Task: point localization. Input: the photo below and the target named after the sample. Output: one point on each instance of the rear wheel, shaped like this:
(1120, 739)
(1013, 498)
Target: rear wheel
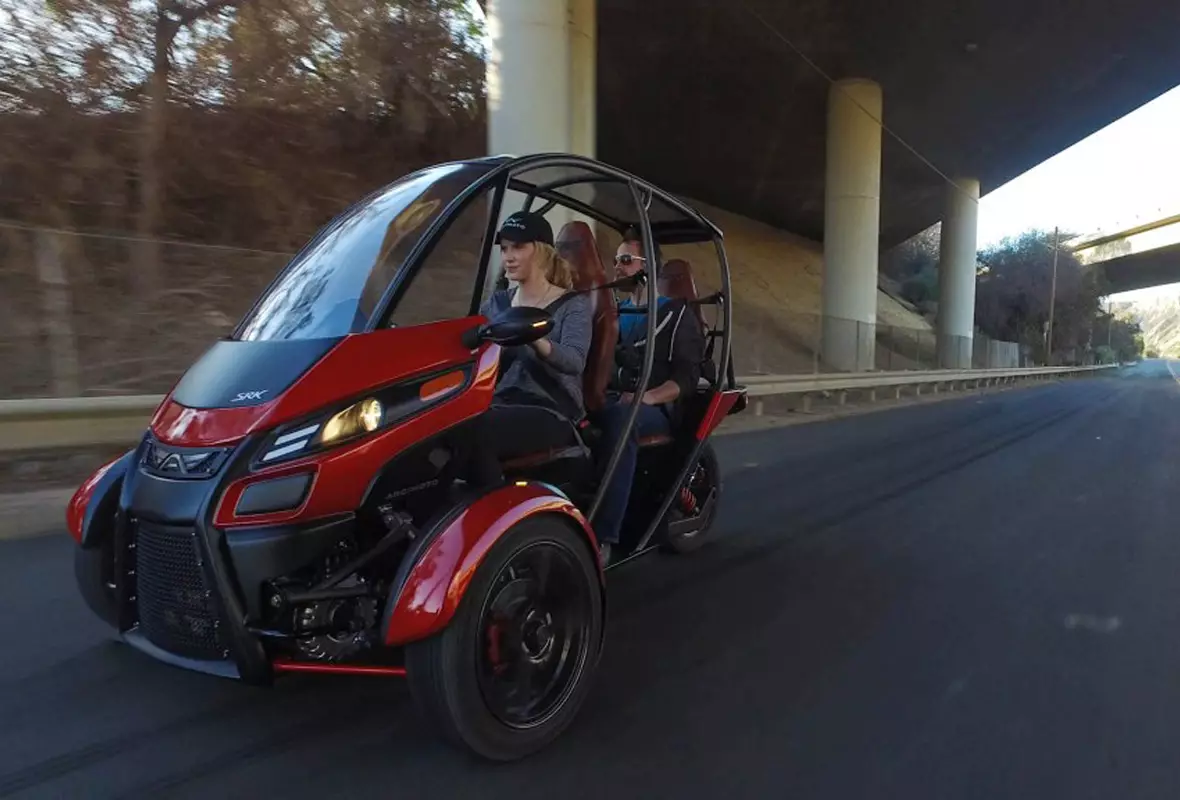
(510, 672)
(691, 515)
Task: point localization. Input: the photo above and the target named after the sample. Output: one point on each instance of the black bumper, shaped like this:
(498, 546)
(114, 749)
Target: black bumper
(189, 593)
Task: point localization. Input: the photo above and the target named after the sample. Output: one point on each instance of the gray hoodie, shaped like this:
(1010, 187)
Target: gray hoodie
(570, 337)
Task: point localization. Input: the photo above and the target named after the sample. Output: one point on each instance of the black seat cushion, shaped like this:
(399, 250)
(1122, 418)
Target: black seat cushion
(518, 430)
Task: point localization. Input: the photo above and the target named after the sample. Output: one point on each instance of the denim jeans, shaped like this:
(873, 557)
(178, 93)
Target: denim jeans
(650, 421)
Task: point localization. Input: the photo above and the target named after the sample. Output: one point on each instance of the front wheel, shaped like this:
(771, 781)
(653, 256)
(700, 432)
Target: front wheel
(693, 512)
(510, 672)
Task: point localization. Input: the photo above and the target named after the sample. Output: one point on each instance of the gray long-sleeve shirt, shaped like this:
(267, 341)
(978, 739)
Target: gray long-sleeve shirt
(570, 339)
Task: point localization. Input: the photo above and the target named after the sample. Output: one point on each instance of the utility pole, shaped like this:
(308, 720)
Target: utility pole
(1052, 302)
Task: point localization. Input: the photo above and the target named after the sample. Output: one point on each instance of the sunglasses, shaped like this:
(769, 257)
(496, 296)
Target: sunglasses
(627, 258)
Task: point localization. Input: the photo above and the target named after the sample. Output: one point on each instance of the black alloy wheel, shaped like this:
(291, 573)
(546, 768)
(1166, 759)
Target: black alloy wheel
(534, 631)
(510, 672)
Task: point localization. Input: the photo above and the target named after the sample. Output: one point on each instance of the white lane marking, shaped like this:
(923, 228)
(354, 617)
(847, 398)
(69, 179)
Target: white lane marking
(1093, 623)
(1172, 372)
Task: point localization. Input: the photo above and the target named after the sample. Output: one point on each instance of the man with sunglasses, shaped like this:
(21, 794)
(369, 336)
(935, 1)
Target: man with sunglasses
(676, 368)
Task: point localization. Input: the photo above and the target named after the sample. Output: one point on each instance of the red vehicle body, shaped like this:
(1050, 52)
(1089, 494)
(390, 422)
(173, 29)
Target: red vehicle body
(296, 505)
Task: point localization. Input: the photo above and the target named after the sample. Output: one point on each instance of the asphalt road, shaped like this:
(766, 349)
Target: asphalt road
(975, 598)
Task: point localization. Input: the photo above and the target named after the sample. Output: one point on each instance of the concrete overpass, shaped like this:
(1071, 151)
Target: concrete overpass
(1138, 257)
(775, 110)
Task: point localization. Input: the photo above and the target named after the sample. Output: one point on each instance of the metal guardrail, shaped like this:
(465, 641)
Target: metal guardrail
(66, 422)
(762, 385)
(75, 422)
(758, 386)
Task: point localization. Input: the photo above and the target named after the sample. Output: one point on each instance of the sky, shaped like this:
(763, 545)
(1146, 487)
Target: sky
(1124, 174)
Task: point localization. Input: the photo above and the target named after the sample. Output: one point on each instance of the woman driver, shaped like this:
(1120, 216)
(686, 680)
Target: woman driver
(544, 376)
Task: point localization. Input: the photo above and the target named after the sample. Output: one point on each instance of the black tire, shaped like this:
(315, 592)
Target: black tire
(93, 568)
(705, 479)
(456, 675)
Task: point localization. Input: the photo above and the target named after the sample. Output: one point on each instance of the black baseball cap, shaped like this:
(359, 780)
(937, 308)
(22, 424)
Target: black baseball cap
(524, 227)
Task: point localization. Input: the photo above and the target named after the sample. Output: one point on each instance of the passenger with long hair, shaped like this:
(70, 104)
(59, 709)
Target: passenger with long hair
(539, 393)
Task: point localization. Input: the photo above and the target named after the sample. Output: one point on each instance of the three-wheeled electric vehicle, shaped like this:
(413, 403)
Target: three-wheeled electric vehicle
(296, 504)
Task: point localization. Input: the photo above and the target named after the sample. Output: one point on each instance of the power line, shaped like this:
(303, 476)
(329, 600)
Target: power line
(786, 40)
(127, 237)
(894, 134)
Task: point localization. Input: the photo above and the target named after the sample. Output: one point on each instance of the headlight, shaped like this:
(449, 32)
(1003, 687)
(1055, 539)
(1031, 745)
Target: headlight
(356, 420)
(361, 418)
(385, 407)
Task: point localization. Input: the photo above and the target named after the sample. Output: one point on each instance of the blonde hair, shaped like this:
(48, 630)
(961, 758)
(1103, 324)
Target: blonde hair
(558, 271)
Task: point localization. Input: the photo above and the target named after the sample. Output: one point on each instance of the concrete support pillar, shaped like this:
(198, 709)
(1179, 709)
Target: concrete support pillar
(956, 275)
(583, 37)
(541, 76)
(541, 86)
(852, 209)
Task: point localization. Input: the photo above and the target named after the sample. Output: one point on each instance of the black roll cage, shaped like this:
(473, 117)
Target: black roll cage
(503, 176)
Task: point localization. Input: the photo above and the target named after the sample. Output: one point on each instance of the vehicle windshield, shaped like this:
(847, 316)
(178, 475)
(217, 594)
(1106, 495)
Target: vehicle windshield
(332, 287)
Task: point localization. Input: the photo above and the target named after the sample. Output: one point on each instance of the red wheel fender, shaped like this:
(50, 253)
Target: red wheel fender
(425, 601)
(100, 488)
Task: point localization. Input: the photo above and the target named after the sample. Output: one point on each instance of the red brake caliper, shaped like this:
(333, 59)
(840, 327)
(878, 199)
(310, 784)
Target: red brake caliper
(494, 634)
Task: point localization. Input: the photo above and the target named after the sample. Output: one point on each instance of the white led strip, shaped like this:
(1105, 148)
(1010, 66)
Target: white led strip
(302, 433)
(291, 442)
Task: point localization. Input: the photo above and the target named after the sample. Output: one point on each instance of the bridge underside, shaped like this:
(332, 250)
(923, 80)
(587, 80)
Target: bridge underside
(1157, 267)
(706, 100)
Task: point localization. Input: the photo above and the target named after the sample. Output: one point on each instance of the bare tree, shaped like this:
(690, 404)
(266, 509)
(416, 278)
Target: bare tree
(222, 122)
(172, 16)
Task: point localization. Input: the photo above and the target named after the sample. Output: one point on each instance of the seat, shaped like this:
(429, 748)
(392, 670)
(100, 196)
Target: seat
(676, 281)
(575, 242)
(572, 447)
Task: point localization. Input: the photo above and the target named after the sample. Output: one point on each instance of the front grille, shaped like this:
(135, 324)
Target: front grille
(180, 463)
(176, 609)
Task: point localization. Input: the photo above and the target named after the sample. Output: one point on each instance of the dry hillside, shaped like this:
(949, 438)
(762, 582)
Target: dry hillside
(1161, 325)
(778, 287)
